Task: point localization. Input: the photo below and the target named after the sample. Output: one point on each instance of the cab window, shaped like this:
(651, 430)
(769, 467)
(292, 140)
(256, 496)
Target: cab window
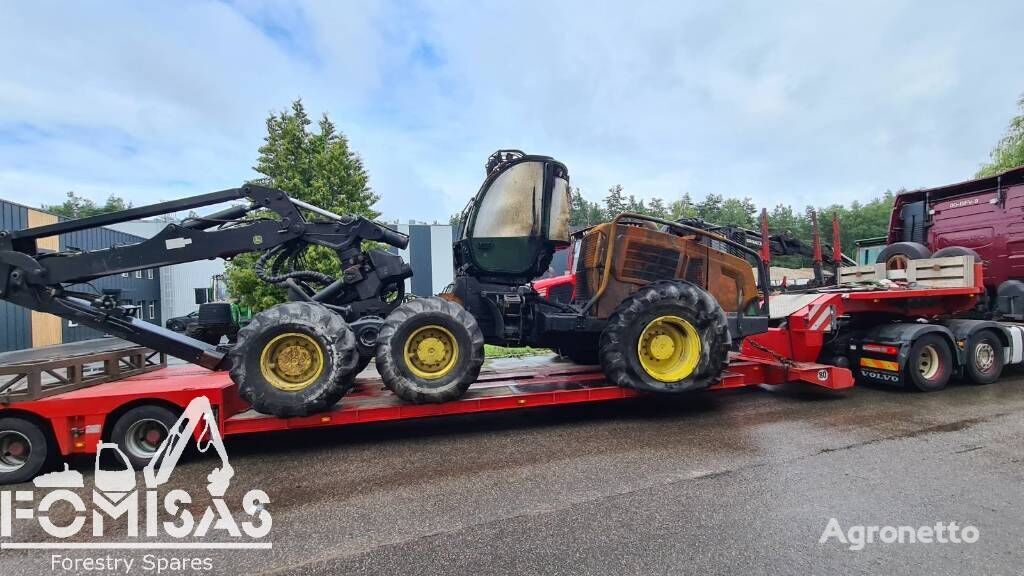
(511, 207)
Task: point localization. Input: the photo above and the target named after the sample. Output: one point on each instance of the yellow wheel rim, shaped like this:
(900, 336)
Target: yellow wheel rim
(292, 361)
(669, 349)
(431, 352)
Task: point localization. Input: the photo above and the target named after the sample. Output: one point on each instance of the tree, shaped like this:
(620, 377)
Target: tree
(615, 202)
(736, 212)
(316, 167)
(656, 208)
(682, 208)
(1009, 152)
(710, 208)
(583, 212)
(79, 207)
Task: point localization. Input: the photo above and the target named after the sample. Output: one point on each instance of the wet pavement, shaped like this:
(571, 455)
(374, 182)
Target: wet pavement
(740, 481)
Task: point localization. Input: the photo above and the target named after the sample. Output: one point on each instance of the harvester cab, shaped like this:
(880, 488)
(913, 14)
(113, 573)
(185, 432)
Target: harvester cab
(519, 217)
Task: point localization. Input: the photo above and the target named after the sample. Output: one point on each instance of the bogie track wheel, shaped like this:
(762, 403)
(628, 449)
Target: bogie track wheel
(667, 337)
(429, 350)
(294, 359)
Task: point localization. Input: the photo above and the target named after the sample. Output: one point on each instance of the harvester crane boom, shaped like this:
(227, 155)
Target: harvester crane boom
(270, 222)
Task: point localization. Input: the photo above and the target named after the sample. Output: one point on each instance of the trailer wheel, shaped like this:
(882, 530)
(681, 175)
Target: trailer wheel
(294, 359)
(667, 337)
(984, 357)
(955, 251)
(429, 350)
(896, 255)
(929, 363)
(23, 450)
(139, 432)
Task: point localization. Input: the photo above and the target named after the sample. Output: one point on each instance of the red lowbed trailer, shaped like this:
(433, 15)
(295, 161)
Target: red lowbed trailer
(825, 338)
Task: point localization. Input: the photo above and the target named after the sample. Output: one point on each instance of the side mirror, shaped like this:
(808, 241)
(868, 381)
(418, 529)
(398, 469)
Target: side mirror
(201, 295)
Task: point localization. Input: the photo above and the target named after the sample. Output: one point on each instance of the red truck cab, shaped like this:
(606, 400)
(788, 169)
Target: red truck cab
(983, 216)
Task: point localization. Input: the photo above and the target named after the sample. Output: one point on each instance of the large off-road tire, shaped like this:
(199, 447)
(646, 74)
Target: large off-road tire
(667, 337)
(429, 350)
(929, 363)
(896, 255)
(139, 432)
(956, 251)
(23, 450)
(294, 359)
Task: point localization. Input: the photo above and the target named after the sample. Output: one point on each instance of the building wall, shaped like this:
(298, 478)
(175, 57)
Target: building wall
(430, 255)
(141, 287)
(178, 282)
(178, 285)
(15, 329)
(45, 328)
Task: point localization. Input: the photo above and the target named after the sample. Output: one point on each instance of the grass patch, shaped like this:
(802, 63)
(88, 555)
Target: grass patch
(502, 352)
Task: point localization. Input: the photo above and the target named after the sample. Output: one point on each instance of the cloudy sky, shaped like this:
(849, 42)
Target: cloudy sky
(802, 102)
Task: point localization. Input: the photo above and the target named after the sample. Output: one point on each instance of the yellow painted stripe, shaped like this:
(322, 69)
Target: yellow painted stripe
(880, 364)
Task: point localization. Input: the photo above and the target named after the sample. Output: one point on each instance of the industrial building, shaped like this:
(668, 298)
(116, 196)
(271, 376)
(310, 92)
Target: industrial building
(178, 283)
(22, 328)
(430, 255)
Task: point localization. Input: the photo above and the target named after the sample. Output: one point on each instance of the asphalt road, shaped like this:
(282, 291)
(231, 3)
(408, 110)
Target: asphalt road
(731, 482)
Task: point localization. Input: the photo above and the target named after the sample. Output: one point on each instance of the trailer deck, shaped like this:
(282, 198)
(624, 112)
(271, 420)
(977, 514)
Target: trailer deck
(80, 418)
(791, 351)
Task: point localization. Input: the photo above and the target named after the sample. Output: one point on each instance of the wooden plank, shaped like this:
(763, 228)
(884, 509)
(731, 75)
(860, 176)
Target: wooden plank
(869, 273)
(950, 272)
(46, 329)
(36, 219)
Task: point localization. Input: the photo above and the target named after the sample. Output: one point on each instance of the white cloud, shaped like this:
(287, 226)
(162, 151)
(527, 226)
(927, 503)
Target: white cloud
(795, 103)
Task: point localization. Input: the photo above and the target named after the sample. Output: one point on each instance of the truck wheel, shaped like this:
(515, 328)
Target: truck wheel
(23, 450)
(955, 251)
(929, 364)
(896, 255)
(667, 337)
(984, 357)
(140, 431)
(429, 350)
(294, 359)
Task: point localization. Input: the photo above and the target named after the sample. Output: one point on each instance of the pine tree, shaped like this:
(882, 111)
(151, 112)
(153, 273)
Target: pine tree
(316, 167)
(656, 208)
